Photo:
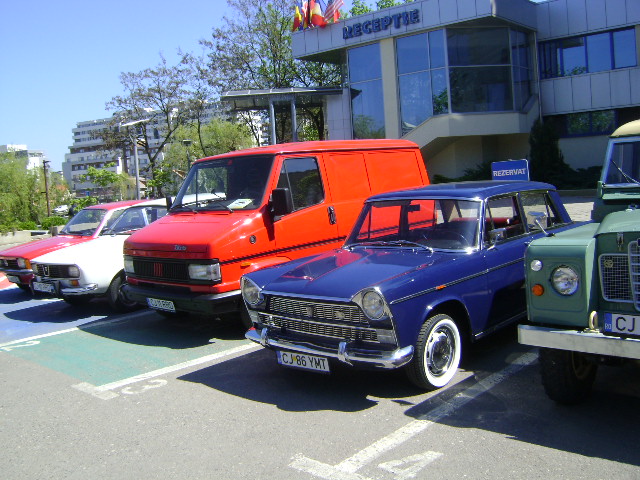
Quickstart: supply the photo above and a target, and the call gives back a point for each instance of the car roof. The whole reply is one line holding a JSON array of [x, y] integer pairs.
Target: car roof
[[119, 204], [470, 190], [319, 146]]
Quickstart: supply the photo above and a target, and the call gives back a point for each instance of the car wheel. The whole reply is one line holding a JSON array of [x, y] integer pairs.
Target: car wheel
[[116, 298], [76, 299], [567, 376], [437, 353]]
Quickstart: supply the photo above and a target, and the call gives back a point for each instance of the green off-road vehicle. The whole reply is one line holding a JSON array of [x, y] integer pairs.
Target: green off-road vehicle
[[583, 284]]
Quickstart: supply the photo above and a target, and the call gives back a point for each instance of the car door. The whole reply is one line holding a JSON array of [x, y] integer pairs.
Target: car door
[[505, 240], [310, 227]]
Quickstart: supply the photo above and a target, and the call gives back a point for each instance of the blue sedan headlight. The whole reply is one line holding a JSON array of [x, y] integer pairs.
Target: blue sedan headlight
[[251, 292]]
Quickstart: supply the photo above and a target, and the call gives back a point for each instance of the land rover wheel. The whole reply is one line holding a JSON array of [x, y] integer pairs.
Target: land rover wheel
[[116, 298], [567, 376], [437, 353]]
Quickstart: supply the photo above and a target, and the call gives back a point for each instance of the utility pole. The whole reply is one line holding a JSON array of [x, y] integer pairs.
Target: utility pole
[[45, 164], [187, 142]]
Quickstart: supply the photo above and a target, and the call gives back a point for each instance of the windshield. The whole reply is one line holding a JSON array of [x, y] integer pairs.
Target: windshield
[[234, 183], [85, 222], [134, 218], [446, 224], [624, 163]]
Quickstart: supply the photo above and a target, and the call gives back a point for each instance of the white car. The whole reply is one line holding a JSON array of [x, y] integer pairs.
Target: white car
[[94, 268]]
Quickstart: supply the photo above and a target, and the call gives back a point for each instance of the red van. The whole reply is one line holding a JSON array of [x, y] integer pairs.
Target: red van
[[249, 209]]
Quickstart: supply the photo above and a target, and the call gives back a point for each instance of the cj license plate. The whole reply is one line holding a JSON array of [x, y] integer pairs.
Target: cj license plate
[[300, 360], [44, 287], [166, 305], [621, 324]]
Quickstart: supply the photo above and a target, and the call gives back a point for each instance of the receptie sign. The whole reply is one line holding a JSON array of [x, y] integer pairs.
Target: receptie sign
[[510, 170]]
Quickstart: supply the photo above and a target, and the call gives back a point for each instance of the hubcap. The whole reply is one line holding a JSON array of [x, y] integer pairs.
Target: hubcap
[[440, 351]]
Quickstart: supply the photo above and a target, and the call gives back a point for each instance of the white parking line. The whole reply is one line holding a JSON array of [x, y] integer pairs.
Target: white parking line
[[347, 468], [106, 392]]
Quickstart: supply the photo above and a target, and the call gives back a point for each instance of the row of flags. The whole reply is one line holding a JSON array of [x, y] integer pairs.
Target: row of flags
[[308, 13]]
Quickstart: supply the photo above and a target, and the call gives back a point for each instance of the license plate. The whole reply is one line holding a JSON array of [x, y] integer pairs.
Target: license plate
[[622, 324], [158, 304], [300, 360], [44, 287], [13, 279]]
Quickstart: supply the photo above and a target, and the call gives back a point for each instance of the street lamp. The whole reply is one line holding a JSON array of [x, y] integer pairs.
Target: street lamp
[[187, 142], [45, 164], [134, 142]]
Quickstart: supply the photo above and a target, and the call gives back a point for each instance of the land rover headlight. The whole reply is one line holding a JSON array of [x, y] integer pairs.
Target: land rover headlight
[[251, 292], [564, 280], [373, 305], [206, 272]]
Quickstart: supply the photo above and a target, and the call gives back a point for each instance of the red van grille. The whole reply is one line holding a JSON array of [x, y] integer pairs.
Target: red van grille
[[161, 269]]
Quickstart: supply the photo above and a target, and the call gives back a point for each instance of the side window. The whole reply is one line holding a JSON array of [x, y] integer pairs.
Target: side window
[[503, 213], [539, 202], [302, 177]]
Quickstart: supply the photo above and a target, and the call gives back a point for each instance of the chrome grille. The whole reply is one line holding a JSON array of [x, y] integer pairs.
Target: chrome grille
[[634, 272], [338, 332], [51, 271], [319, 311], [620, 276]]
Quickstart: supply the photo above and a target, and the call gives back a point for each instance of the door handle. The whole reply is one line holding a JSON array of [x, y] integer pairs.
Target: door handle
[[332, 215]]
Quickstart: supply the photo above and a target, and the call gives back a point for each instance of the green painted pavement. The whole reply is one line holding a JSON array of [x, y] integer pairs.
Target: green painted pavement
[[111, 352]]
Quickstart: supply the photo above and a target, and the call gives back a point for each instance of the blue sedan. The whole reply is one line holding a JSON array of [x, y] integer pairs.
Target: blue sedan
[[422, 271]]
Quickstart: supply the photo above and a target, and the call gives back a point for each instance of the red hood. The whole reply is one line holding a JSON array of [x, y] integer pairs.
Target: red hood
[[195, 232], [31, 250]]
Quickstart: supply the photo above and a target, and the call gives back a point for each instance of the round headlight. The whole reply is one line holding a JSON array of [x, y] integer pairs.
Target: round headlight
[[564, 280], [373, 305], [251, 292], [536, 265]]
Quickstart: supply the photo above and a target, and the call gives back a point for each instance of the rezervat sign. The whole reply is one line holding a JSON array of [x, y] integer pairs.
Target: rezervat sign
[[396, 20]]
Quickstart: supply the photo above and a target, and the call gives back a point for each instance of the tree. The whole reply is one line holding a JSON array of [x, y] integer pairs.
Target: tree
[[358, 7], [110, 184], [253, 51], [164, 96], [545, 157]]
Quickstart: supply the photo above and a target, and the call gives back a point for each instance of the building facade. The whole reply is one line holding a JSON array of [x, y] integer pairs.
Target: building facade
[[466, 79], [34, 158]]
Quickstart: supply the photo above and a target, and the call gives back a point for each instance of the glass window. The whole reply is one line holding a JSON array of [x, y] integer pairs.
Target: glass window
[[365, 75], [302, 177], [364, 63], [422, 93], [599, 52], [624, 165], [478, 46], [539, 202], [85, 222], [624, 48], [574, 61], [480, 89], [502, 218]]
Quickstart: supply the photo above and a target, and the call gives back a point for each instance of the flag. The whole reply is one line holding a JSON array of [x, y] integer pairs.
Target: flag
[[297, 19], [332, 12], [316, 17], [305, 13]]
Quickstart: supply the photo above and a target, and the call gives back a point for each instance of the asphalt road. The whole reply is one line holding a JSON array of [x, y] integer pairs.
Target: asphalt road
[[90, 394]]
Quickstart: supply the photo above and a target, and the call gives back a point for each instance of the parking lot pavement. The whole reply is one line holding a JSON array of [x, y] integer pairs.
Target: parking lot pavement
[[579, 208]]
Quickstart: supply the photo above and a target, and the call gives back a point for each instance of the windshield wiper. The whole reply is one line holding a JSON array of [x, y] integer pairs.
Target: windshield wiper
[[392, 243], [626, 176], [205, 202]]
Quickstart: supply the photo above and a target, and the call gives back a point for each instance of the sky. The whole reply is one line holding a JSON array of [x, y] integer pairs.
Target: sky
[[60, 61]]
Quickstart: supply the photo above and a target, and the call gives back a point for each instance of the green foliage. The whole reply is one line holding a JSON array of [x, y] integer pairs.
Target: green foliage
[[49, 222]]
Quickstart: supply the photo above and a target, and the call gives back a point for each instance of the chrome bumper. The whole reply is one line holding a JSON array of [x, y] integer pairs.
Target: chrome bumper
[[346, 352], [79, 290], [579, 341]]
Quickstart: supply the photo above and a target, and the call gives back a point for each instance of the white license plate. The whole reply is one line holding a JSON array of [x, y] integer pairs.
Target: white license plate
[[13, 279], [622, 324], [44, 287], [158, 304], [300, 360]]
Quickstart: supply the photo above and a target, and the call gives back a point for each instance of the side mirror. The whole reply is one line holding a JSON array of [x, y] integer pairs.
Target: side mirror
[[539, 218], [169, 201], [281, 202], [497, 235]]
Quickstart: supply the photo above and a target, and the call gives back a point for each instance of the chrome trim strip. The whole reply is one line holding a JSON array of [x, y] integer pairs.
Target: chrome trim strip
[[79, 290], [346, 353]]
